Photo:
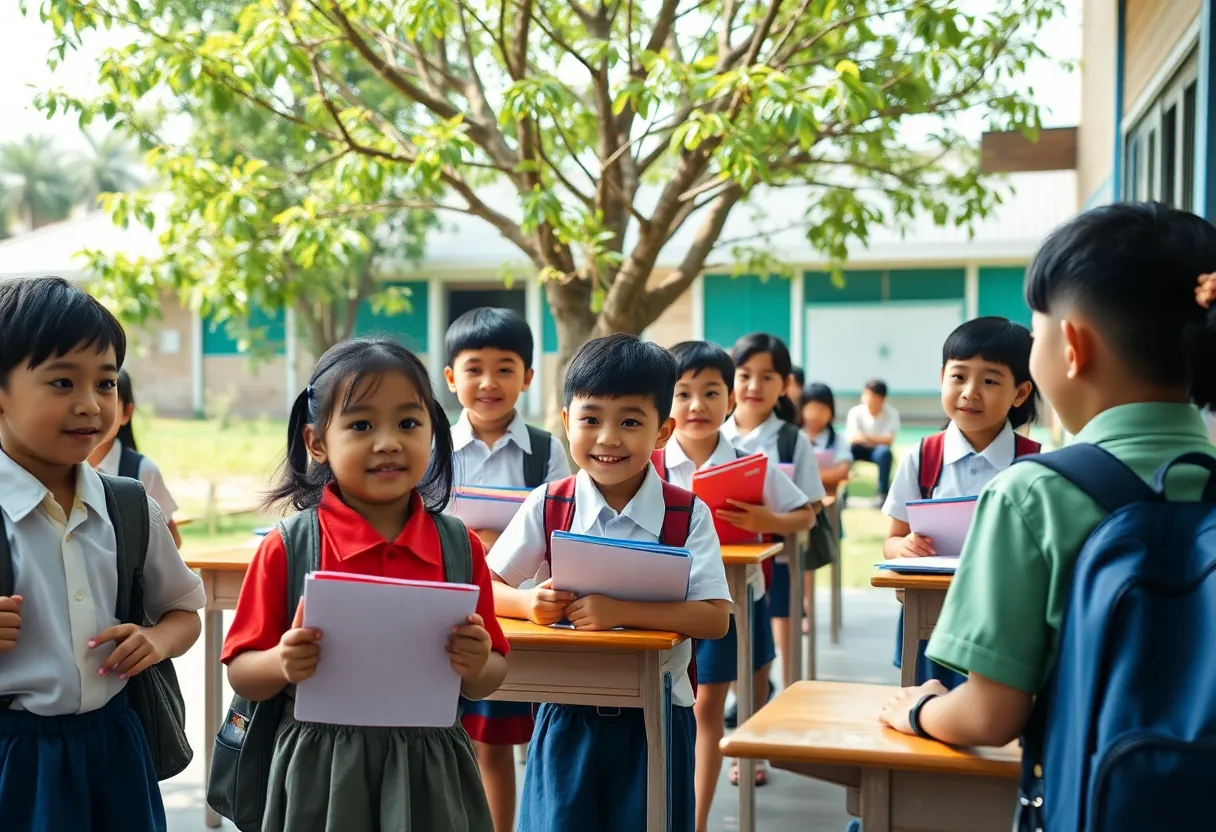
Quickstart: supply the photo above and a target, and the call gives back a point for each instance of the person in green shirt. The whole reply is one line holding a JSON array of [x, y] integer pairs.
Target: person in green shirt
[[1123, 351]]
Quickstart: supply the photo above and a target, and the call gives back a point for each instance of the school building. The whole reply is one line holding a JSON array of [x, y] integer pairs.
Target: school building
[[898, 300]]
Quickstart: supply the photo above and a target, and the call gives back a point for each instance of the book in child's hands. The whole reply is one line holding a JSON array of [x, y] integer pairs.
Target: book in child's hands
[[945, 521], [741, 480], [628, 570], [935, 565], [384, 660], [825, 458], [486, 508]]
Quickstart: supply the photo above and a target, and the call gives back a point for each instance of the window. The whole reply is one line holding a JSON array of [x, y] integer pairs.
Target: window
[[1160, 158]]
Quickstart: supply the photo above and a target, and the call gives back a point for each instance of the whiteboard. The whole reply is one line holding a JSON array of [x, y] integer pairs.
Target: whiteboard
[[900, 343]]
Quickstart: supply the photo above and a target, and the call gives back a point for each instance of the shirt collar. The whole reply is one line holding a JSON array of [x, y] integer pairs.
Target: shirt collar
[[646, 508], [109, 463], [349, 535], [724, 452], [517, 432], [999, 452], [23, 492], [1130, 421], [770, 425]]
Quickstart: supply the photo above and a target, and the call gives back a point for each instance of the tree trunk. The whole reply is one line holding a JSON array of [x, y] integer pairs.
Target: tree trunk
[[571, 306]]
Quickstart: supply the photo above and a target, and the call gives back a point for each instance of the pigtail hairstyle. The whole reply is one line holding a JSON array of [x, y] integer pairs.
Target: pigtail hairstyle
[[345, 372], [998, 341], [761, 342], [126, 397]]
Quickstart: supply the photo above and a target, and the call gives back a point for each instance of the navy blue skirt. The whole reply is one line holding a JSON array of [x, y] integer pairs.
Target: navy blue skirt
[[84, 772], [717, 660]]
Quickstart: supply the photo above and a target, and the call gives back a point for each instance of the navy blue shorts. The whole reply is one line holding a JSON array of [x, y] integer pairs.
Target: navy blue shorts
[[717, 660], [926, 668], [84, 772], [493, 722], [778, 591], [587, 770]]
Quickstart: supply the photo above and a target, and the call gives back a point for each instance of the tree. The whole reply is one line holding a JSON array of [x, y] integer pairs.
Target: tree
[[35, 187], [616, 123], [108, 166]]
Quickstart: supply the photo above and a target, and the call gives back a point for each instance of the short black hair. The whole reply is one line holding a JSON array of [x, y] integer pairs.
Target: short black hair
[[1132, 268], [877, 386], [696, 356], [126, 397], [1000, 341], [623, 365], [489, 327], [48, 317], [798, 375]]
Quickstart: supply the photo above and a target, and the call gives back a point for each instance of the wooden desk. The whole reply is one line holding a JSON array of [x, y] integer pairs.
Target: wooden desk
[[741, 562], [830, 731], [923, 599], [832, 507], [620, 668]]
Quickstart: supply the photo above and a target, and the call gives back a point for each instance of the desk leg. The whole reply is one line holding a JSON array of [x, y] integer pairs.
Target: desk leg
[[741, 591], [876, 800], [213, 642], [912, 622], [793, 647], [833, 514], [655, 717]]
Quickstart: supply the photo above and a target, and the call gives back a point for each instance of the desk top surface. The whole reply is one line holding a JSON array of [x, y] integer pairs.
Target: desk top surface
[[748, 554], [887, 579]]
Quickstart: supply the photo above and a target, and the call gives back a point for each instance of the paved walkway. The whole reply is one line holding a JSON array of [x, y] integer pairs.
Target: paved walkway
[[787, 804]]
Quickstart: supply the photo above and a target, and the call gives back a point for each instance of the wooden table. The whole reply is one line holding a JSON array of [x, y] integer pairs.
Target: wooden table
[[830, 731], [923, 599], [620, 668], [741, 562], [831, 504]]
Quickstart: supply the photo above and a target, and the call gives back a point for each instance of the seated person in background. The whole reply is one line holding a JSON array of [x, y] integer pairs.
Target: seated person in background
[[871, 428]]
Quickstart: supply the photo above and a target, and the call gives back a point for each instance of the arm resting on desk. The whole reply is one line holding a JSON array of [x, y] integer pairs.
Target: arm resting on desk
[[977, 712], [695, 619]]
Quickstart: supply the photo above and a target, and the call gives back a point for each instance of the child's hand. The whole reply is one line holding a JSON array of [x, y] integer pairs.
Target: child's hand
[[895, 712], [299, 652], [594, 612], [548, 604], [915, 546], [488, 538], [469, 648], [134, 652], [748, 517], [10, 621]]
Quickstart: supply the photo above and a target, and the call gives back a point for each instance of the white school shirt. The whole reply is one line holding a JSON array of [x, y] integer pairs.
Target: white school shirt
[[844, 453], [780, 493], [476, 463], [763, 439], [520, 551], [860, 420], [149, 475], [964, 472], [66, 572]]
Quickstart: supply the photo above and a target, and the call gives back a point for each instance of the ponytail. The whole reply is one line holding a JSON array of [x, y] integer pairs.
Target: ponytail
[[126, 435], [785, 409]]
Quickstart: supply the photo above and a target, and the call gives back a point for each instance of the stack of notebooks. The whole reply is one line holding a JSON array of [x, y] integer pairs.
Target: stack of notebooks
[[741, 480], [384, 660], [946, 522], [486, 508], [628, 570]]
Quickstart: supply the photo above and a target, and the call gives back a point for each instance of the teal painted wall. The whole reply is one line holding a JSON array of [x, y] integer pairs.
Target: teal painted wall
[[735, 306], [410, 328], [860, 286], [927, 284], [218, 341], [1001, 293], [548, 327]]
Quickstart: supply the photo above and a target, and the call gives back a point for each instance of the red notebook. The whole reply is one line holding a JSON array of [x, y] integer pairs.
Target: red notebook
[[741, 480]]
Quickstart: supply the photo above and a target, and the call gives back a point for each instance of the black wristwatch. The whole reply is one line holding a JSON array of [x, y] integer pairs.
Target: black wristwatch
[[914, 717]]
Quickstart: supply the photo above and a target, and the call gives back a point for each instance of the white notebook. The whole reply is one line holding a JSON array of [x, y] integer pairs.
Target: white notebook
[[935, 565], [945, 521], [628, 570]]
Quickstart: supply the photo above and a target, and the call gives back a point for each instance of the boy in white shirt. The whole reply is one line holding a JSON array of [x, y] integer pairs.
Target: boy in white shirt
[[585, 764], [871, 429], [489, 366]]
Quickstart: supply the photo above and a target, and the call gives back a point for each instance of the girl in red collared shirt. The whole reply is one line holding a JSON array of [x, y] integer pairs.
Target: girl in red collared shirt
[[370, 449]]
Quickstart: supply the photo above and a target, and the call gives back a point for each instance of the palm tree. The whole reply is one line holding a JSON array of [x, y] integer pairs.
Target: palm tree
[[35, 188], [108, 167]]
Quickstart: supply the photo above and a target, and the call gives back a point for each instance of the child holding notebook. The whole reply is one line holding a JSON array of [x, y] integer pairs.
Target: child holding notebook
[[586, 764], [359, 454], [703, 399], [987, 394], [489, 366]]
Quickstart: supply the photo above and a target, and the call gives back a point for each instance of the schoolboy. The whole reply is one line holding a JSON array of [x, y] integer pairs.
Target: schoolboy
[[72, 752], [587, 766], [704, 398], [871, 428], [489, 365]]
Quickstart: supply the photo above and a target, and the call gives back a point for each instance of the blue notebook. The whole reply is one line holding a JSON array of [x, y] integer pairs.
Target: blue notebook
[[629, 570]]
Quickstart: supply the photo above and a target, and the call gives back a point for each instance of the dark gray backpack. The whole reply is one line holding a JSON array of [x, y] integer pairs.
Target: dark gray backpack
[[536, 464], [244, 746]]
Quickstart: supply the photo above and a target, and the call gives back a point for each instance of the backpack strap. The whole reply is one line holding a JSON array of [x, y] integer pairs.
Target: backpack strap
[[559, 509], [932, 454], [301, 534], [536, 463], [127, 505], [677, 515], [787, 442], [659, 460], [1024, 446], [128, 463], [456, 549], [1098, 473]]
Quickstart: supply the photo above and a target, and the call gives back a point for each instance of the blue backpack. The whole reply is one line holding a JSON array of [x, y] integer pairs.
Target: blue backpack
[[1123, 736]]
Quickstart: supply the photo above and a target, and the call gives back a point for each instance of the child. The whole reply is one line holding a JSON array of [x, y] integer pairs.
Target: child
[[818, 406], [585, 764], [793, 391], [761, 423], [987, 394], [117, 455], [703, 399], [359, 452], [871, 428], [489, 354], [73, 753]]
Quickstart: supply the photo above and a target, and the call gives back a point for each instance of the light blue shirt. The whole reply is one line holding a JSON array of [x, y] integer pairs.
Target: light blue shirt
[[476, 463], [763, 439]]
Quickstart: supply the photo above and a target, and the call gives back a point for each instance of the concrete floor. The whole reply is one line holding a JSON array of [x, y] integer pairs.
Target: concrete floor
[[787, 803]]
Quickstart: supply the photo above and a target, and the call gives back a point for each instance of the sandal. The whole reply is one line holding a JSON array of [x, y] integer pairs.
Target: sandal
[[761, 774]]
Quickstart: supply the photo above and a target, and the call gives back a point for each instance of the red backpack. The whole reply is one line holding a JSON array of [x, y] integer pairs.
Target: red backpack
[[932, 456], [677, 522]]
